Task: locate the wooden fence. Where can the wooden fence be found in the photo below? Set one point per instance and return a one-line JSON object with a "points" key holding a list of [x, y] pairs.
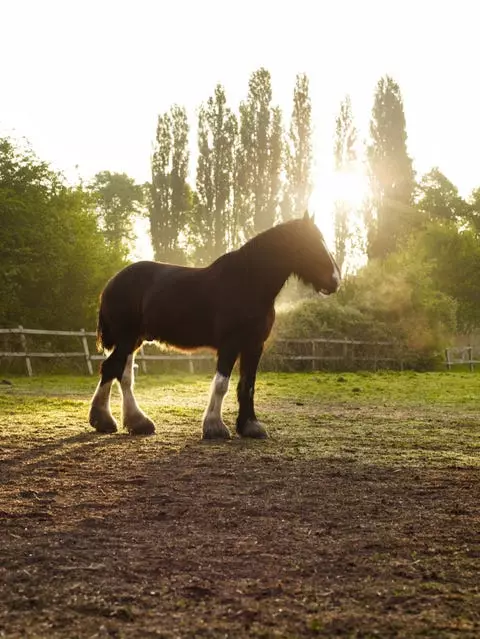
{"points": [[293, 354], [338, 353], [462, 356], [85, 354]]}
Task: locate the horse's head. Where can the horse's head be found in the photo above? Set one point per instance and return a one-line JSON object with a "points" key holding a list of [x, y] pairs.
{"points": [[315, 264]]}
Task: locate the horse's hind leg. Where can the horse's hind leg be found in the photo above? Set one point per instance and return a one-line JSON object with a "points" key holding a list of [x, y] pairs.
{"points": [[100, 416], [134, 420], [213, 426], [118, 365]]}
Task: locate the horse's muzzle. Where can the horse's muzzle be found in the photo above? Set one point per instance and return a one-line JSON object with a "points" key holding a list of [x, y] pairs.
{"points": [[332, 287]]}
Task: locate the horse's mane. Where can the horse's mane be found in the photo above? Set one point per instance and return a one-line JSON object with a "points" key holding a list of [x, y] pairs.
{"points": [[278, 238]]}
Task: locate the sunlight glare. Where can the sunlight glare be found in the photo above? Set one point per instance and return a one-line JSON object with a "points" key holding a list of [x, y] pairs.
{"points": [[348, 187]]}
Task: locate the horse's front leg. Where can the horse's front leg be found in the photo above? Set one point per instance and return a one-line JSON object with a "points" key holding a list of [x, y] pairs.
{"points": [[247, 423], [213, 426], [134, 420]]}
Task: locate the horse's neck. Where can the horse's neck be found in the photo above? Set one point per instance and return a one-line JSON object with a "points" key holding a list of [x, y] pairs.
{"points": [[269, 263]]}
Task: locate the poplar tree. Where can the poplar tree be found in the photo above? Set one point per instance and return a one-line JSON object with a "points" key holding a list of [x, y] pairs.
{"points": [[345, 158], [298, 153], [391, 172], [258, 157], [213, 224], [170, 201]]}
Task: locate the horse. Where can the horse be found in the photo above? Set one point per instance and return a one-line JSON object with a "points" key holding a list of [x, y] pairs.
{"points": [[227, 306]]}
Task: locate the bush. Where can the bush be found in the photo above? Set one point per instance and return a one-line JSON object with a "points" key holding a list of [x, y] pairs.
{"points": [[393, 301]]}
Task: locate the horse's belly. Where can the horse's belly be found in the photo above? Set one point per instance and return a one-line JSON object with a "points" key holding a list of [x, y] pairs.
{"points": [[185, 330]]}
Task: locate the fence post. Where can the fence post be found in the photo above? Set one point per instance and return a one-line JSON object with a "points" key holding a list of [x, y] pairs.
{"points": [[23, 341], [470, 358], [143, 362], [87, 352], [447, 357], [191, 365]]}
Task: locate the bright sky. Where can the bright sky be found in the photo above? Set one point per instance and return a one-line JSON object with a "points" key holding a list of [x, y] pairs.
{"points": [[85, 80]]}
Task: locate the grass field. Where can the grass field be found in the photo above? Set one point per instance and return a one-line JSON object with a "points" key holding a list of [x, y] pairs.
{"points": [[359, 517]]}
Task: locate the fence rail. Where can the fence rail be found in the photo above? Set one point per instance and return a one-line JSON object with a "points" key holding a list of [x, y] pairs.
{"points": [[283, 352], [85, 353], [462, 355]]}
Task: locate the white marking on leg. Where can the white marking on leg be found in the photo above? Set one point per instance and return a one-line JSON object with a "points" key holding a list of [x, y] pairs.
{"points": [[130, 407], [134, 419], [218, 391], [213, 426], [100, 416], [101, 397]]}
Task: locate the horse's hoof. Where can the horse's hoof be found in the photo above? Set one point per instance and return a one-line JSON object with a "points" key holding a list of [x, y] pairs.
{"points": [[252, 428], [141, 425], [214, 428], [102, 421]]}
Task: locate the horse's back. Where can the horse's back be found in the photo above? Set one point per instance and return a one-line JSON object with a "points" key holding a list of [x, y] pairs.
{"points": [[183, 306], [157, 301]]}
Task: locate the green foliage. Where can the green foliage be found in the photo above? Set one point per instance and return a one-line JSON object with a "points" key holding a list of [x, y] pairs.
{"points": [[401, 293], [118, 201], [213, 224], [391, 300], [298, 153], [54, 261], [473, 213], [258, 158], [318, 317], [171, 199], [345, 160], [439, 199], [454, 258], [392, 175]]}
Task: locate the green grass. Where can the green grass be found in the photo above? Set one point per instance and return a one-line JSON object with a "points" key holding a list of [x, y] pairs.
{"points": [[388, 418]]}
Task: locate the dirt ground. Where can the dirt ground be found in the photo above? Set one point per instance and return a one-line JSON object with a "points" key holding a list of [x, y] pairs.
{"points": [[112, 536]]}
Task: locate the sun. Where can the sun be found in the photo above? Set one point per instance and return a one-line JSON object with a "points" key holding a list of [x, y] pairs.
{"points": [[350, 188]]}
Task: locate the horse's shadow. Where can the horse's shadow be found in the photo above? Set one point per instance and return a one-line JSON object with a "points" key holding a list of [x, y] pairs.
{"points": [[18, 464]]}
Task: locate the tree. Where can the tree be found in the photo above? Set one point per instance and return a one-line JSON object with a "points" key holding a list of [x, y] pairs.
{"points": [[473, 215], [118, 201], [54, 260], [298, 153], [258, 157], [345, 160], [170, 195], [439, 199], [391, 172], [213, 222], [454, 255]]}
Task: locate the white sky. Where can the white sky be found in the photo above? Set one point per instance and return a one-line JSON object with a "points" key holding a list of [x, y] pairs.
{"points": [[85, 80]]}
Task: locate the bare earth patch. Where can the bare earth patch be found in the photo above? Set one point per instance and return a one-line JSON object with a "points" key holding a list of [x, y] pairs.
{"points": [[347, 522]]}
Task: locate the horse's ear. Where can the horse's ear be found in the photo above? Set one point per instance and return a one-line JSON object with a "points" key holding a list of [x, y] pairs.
{"points": [[307, 217]]}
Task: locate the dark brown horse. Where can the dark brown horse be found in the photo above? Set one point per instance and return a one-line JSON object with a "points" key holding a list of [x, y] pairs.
{"points": [[227, 306]]}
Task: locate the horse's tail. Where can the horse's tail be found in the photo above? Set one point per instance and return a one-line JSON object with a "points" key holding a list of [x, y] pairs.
{"points": [[105, 340]]}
